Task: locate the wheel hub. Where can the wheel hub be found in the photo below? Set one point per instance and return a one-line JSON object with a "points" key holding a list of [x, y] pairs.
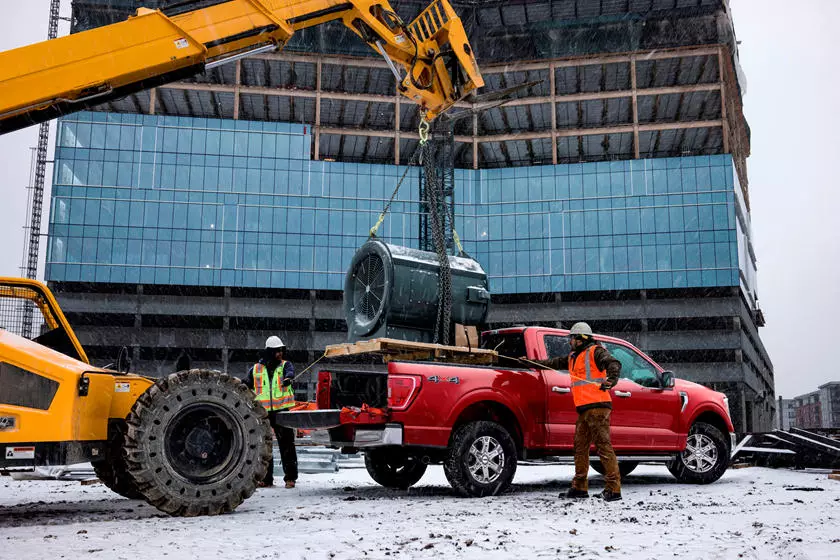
{"points": [[203, 443], [701, 453], [486, 460]]}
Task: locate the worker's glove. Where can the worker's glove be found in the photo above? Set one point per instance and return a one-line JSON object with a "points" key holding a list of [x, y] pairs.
{"points": [[287, 382], [606, 386]]}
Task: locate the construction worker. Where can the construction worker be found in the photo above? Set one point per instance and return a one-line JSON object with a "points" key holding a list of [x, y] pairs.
{"points": [[271, 379], [594, 372]]}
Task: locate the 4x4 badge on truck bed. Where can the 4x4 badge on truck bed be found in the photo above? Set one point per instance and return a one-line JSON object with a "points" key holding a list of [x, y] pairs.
{"points": [[436, 379]]}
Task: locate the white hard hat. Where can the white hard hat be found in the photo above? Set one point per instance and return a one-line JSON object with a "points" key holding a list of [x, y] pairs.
{"points": [[580, 329], [274, 342]]}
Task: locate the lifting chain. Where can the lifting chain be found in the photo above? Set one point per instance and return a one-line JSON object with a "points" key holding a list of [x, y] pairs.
{"points": [[438, 214]]}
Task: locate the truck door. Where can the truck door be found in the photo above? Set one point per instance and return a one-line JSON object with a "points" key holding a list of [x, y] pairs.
{"points": [[644, 415], [560, 414]]}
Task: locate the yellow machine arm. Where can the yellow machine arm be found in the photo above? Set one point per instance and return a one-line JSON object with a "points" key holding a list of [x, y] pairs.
{"points": [[430, 57]]}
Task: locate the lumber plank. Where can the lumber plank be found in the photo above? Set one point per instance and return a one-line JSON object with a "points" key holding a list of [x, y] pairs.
{"points": [[393, 349]]}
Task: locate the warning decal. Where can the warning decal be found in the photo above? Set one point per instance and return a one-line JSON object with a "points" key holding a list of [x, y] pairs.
{"points": [[122, 387], [20, 453]]}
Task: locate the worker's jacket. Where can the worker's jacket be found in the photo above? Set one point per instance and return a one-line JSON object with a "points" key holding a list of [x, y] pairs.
{"points": [[587, 379], [270, 390]]}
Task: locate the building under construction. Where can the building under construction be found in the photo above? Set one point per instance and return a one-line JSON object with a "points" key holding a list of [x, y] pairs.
{"points": [[191, 221]]}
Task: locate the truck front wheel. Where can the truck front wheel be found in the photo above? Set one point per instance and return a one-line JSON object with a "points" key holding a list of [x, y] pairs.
{"points": [[705, 458], [394, 469], [481, 459]]}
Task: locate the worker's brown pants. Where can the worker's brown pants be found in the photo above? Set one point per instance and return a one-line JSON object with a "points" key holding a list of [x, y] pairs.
{"points": [[593, 427]]}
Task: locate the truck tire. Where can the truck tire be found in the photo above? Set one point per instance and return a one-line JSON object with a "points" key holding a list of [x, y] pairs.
{"points": [[481, 459], [705, 458], [113, 469], [624, 467], [197, 443], [393, 468]]}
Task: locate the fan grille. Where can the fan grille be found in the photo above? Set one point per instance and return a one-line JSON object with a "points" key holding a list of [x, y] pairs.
{"points": [[368, 287]]}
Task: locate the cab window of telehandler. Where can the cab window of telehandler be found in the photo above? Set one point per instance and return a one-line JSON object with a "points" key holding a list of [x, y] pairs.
{"points": [[25, 311]]}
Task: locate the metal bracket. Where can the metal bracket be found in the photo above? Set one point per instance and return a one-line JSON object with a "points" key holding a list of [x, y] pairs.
{"points": [[84, 385]]}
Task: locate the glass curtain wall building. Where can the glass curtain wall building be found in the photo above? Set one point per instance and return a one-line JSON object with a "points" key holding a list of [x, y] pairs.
{"points": [[204, 202], [191, 221]]}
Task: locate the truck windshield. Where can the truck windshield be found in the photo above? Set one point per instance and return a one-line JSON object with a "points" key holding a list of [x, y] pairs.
{"points": [[506, 344]]}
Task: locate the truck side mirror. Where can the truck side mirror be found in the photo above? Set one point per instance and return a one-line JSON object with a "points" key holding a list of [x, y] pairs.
{"points": [[668, 380]]}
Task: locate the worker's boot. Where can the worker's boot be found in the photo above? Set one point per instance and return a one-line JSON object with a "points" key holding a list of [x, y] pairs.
{"points": [[290, 484], [574, 493], [609, 496]]}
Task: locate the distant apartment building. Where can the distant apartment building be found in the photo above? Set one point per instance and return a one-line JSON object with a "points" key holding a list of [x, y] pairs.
{"points": [[817, 409]]}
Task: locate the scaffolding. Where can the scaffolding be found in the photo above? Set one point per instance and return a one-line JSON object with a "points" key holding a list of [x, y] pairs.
{"points": [[32, 244]]}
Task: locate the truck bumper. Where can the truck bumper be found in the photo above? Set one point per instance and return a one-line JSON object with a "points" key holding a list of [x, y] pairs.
{"points": [[389, 434]]}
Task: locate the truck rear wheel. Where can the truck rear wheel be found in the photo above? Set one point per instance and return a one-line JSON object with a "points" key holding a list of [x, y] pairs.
{"points": [[113, 469], [624, 467], [481, 459], [197, 443], [705, 458], [393, 468]]}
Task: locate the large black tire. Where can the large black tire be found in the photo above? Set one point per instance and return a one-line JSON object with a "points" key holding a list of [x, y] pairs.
{"points": [[706, 466], [394, 468], [197, 443], [624, 467], [113, 469], [481, 459]]}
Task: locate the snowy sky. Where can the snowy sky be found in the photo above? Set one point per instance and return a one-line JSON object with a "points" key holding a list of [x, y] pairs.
{"points": [[787, 55]]}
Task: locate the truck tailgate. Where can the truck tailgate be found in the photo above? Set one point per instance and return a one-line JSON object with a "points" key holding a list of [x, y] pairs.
{"points": [[344, 398]]}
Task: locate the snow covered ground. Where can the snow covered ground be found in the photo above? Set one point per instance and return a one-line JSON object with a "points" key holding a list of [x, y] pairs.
{"points": [[749, 513]]}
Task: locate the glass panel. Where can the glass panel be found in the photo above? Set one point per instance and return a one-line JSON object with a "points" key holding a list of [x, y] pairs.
{"points": [[633, 366]]}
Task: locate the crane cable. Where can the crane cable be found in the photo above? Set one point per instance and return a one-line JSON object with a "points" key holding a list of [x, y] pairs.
{"points": [[424, 138]]}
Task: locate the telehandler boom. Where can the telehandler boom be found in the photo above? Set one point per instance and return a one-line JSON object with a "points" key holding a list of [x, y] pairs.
{"points": [[430, 57]]}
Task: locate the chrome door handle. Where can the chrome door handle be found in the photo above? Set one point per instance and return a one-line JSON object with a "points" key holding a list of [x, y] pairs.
{"points": [[624, 394], [556, 389]]}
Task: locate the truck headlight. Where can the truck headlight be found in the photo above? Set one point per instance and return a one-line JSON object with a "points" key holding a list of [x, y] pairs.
{"points": [[726, 405]]}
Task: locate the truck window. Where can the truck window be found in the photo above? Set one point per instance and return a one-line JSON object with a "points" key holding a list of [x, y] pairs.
{"points": [[506, 344], [557, 346], [633, 367]]}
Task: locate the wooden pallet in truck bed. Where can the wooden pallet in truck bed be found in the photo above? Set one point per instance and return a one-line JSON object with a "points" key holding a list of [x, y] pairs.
{"points": [[392, 349]]}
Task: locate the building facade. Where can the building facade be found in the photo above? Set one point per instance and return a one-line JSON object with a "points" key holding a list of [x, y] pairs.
{"points": [[817, 409], [200, 217]]}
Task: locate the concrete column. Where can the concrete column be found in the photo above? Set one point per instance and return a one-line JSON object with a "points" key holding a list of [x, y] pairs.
{"points": [[138, 318], [635, 107], [318, 110], [152, 101], [553, 86], [237, 82]]}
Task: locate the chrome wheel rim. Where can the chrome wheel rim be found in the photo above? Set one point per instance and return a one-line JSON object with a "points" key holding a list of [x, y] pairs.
{"points": [[701, 453], [486, 460]]}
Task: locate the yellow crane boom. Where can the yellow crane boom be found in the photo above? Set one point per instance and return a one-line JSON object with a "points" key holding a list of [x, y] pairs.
{"points": [[430, 57]]}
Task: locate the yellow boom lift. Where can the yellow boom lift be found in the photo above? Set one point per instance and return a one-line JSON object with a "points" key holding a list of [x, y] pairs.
{"points": [[195, 442]]}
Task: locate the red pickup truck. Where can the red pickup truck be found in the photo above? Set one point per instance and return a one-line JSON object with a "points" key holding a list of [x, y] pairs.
{"points": [[479, 420]]}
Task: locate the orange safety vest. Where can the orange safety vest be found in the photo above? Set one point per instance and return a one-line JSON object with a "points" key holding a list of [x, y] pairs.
{"points": [[270, 392], [587, 378]]}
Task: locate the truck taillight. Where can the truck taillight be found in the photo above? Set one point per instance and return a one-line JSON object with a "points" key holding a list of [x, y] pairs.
{"points": [[322, 396], [401, 390]]}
